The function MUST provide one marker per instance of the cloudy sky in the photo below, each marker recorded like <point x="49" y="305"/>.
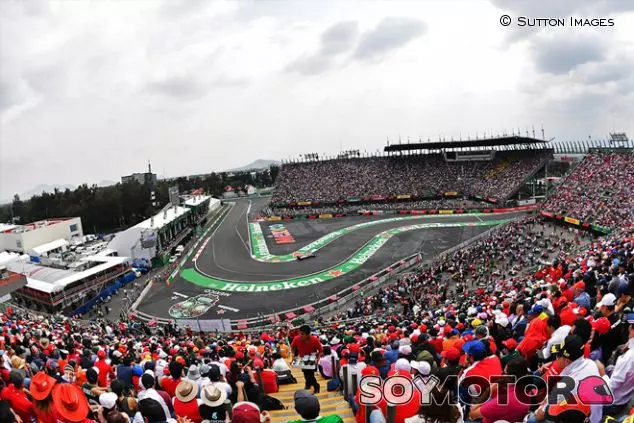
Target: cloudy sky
<point x="90" y="90"/>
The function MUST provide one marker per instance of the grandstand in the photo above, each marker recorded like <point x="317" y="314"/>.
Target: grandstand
<point x="492" y="170"/>
<point x="524" y="298"/>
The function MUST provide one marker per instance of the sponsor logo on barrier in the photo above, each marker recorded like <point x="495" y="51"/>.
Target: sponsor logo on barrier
<point x="445" y="211"/>
<point x="304" y="203"/>
<point x="325" y="216"/>
<point x="281" y="235"/>
<point x="403" y="197"/>
<point x="571" y="220"/>
<point x="194" y="306"/>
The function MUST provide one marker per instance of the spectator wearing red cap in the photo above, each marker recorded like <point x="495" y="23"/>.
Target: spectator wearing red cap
<point x="105" y="369"/>
<point x="41" y="389"/>
<point x="450" y="367"/>
<point x="509" y="351"/>
<point x="361" y="408"/>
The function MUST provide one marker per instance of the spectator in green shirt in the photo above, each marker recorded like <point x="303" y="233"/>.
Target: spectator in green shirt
<point x="307" y="406"/>
<point x="509" y="353"/>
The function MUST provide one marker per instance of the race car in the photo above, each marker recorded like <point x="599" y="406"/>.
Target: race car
<point x="306" y="256"/>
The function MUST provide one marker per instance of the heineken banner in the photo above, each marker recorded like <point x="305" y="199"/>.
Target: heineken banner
<point x="353" y="200"/>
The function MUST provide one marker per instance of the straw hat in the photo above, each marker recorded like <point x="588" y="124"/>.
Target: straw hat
<point x="186" y="390"/>
<point x="213" y="396"/>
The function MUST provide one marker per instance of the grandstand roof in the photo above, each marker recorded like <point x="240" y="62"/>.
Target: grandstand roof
<point x="49" y="279"/>
<point x="45" y="248"/>
<point x="487" y="142"/>
<point x="196" y="200"/>
<point x="161" y="219"/>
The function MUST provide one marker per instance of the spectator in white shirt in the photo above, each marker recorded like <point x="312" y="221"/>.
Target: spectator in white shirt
<point x="557" y="334"/>
<point x="621" y="382"/>
<point x="279" y="364"/>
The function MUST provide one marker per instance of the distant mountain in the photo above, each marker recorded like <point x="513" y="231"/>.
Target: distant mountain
<point x="39" y="189"/>
<point x="258" y="164"/>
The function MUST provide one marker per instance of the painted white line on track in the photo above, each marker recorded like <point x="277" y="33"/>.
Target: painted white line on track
<point x="180" y="295"/>
<point x="235" y="310"/>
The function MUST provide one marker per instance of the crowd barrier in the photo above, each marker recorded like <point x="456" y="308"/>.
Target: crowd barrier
<point x="385" y="212"/>
<point x="567" y="220"/>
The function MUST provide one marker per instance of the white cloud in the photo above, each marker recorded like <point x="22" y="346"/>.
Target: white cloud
<point x="91" y="91"/>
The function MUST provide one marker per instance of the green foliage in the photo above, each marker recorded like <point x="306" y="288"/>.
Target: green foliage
<point x="108" y="209"/>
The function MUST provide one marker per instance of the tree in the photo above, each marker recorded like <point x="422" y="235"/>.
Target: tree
<point x="19" y="209"/>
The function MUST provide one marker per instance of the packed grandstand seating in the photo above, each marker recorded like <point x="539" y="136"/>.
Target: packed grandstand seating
<point x="418" y="175"/>
<point x="448" y="203"/>
<point x="599" y="191"/>
<point x="528" y="299"/>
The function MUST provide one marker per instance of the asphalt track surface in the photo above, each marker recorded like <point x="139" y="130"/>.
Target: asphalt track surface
<point x="227" y="256"/>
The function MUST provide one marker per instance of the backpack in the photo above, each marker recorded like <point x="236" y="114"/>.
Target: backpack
<point x="333" y="384"/>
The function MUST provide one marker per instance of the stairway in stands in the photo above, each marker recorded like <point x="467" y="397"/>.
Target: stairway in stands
<point x="331" y="402"/>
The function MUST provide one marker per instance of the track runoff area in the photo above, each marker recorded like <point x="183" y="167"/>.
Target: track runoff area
<point x="240" y="268"/>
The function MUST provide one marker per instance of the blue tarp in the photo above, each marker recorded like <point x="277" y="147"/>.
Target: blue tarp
<point x="109" y="290"/>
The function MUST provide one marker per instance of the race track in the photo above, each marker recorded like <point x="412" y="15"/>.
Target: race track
<point x="242" y="272"/>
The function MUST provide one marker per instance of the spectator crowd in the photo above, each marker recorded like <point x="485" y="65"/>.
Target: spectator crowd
<point x="598" y="191"/>
<point x="351" y="208"/>
<point x="418" y="175"/>
<point x="526" y="300"/>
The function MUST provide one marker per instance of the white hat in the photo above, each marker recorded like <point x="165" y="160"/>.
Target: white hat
<point x="502" y="320"/>
<point x="607" y="300"/>
<point x="405" y="349"/>
<point x="402" y="364"/>
<point x="108" y="400"/>
<point x="423" y="367"/>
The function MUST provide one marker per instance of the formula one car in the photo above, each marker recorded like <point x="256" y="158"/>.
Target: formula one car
<point x="306" y="256"/>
